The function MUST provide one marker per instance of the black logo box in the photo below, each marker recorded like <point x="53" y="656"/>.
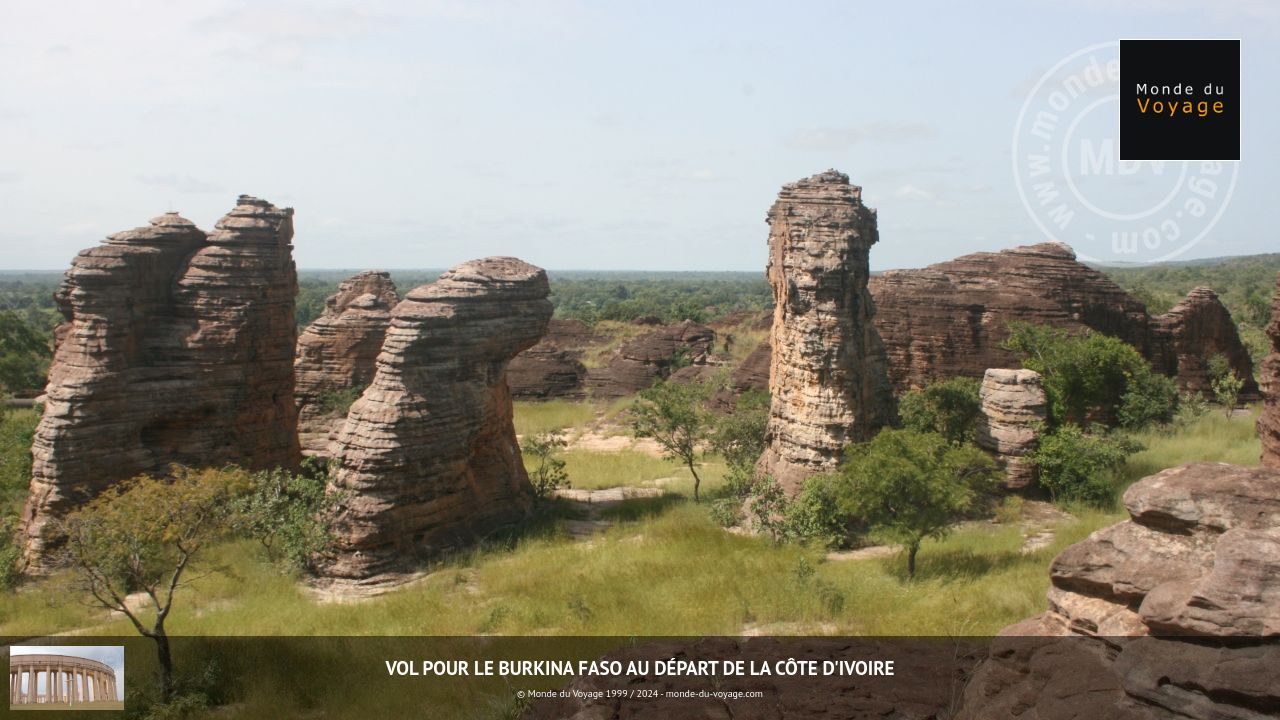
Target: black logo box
<point x="1187" y="68"/>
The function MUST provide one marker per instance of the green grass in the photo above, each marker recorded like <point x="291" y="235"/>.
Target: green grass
<point x="1210" y="437"/>
<point x="536" y="417"/>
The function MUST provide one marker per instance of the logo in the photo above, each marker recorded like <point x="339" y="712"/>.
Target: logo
<point x="1076" y="187"/>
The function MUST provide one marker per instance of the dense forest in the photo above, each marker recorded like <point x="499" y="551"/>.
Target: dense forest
<point x="28" y="315"/>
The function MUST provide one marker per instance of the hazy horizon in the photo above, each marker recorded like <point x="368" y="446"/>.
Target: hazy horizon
<point x="572" y="135"/>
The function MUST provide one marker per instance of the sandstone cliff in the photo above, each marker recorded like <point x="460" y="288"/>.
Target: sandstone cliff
<point x="1173" y="613"/>
<point x="1190" y="334"/>
<point x="950" y="319"/>
<point x="1269" y="423"/>
<point x="177" y="347"/>
<point x="642" y="361"/>
<point x="553" y="368"/>
<point x="336" y="353"/>
<point x="427" y="457"/>
<point x="827" y="379"/>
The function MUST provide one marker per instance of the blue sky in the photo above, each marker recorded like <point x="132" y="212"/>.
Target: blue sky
<point x="112" y="655"/>
<point x="602" y="135"/>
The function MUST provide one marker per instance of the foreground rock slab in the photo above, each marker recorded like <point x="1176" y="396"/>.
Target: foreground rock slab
<point x="177" y="347"/>
<point x="1174" y="613"/>
<point x="827" y="378"/>
<point x="427" y="458"/>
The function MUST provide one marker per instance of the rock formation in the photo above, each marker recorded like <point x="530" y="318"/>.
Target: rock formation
<point x="336" y="354"/>
<point x="1013" y="409"/>
<point x="1190" y="334"/>
<point x="827" y="379"/>
<point x="427" y="457"/>
<point x="177" y="348"/>
<point x="650" y="357"/>
<point x="553" y="368"/>
<point x="1269" y="423"/>
<point x="950" y="319"/>
<point x="1174" y="613"/>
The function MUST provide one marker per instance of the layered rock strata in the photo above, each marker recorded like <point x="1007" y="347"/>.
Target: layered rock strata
<point x="1269" y="422"/>
<point x="650" y="357"/>
<point x="952" y="318"/>
<point x="1195" y="330"/>
<point x="336" y="354"/>
<point x="553" y="368"/>
<point x="427" y="458"/>
<point x="1012" y="414"/>
<point x="1174" y="613"/>
<point x="827" y="377"/>
<point x="177" y="347"/>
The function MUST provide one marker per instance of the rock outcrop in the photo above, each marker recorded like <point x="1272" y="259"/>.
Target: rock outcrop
<point x="177" y="348"/>
<point x="1013" y="411"/>
<point x="1193" y="332"/>
<point x="650" y="357"/>
<point x="827" y="379"/>
<point x="950" y="319"/>
<point x="427" y="457"/>
<point x="1269" y="422"/>
<point x="553" y="368"/>
<point x="336" y="354"/>
<point x="1174" y="613"/>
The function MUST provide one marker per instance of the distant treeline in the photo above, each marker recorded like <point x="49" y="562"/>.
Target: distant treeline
<point x="1245" y="284"/>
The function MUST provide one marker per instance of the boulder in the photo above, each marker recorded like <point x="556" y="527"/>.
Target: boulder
<point x="176" y="347"/>
<point x="427" y="458"/>
<point x="650" y="357"/>
<point x="1012" y="414"/>
<point x="336" y="353"/>
<point x="1174" y="613"/>
<point x="827" y="379"/>
<point x="553" y="368"/>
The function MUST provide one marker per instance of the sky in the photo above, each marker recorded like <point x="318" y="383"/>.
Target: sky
<point x="575" y="135"/>
<point x="112" y="655"/>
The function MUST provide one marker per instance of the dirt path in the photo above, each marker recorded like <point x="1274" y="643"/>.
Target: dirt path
<point x="595" y="502"/>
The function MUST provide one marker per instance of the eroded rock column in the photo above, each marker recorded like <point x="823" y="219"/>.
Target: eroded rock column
<point x="428" y="455"/>
<point x="1012" y="414"/>
<point x="177" y="347"/>
<point x="827" y="377"/>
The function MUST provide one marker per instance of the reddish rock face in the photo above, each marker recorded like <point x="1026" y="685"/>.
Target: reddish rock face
<point x="177" y="348"/>
<point x="428" y="456"/>
<point x="1269" y="423"/>
<point x="336" y="353"/>
<point x="827" y="378"/>
<point x="553" y="367"/>
<point x="644" y="360"/>
<point x="950" y="319"/>
<point x="1190" y="334"/>
<point x="1198" y="562"/>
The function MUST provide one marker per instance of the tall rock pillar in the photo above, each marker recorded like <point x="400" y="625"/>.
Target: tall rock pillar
<point x="827" y="378"/>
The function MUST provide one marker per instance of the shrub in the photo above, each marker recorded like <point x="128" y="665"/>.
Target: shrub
<point x="337" y="403"/>
<point x="908" y="486"/>
<point x="814" y="515"/>
<point x="10" y="552"/>
<point x="947" y="407"/>
<point x="1093" y="377"/>
<point x="739" y="438"/>
<point x="548" y="472"/>
<point x="287" y="513"/>
<point x="1224" y="382"/>
<point x="726" y="512"/>
<point x="1079" y="466"/>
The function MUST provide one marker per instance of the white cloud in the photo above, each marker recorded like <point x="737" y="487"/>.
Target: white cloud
<point x="835" y="138"/>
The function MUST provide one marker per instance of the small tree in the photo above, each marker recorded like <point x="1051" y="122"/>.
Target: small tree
<point x="548" y="472"/>
<point x="288" y="513"/>
<point x="143" y="535"/>
<point x="947" y="407"/>
<point x="739" y="438"/>
<point x="1224" y="382"/>
<point x="909" y="485"/>
<point x="675" y="416"/>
